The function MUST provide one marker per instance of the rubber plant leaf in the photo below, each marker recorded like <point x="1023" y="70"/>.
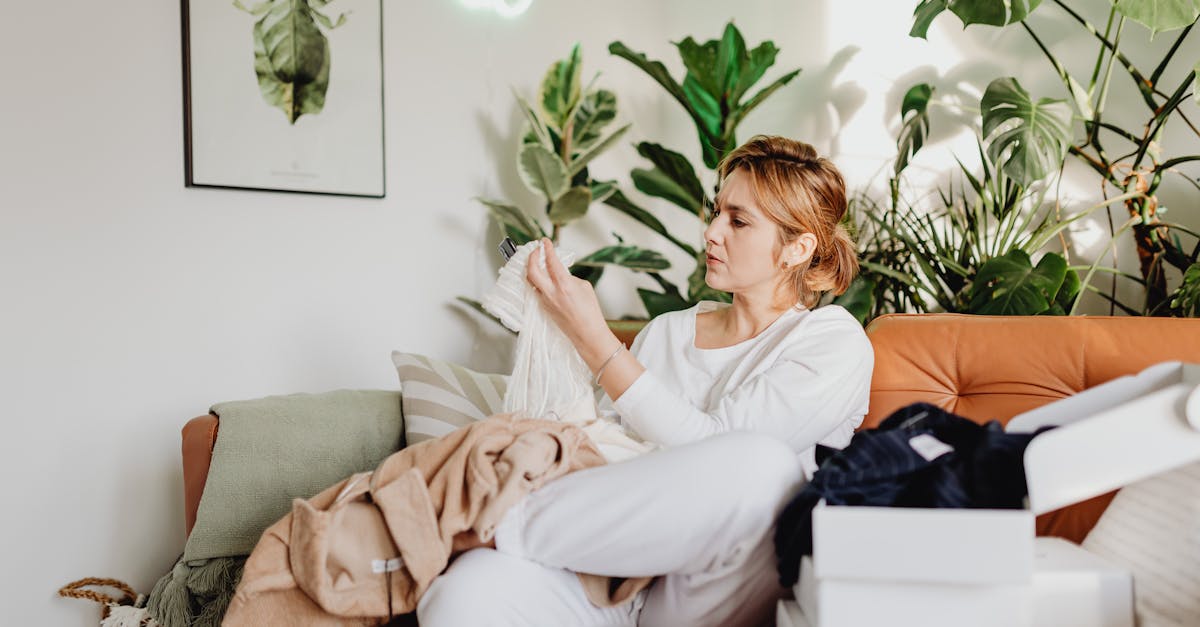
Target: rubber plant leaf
<point x="1010" y="285"/>
<point x="1160" y="15"/>
<point x="543" y="171"/>
<point x="914" y="128"/>
<point x="1028" y="139"/>
<point x="631" y="257"/>
<point x="560" y="90"/>
<point x="597" y="109"/>
<point x="581" y="161"/>
<point x="570" y="206"/>
<point x="514" y="220"/>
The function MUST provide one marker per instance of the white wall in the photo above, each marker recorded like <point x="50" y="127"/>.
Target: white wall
<point x="131" y="303"/>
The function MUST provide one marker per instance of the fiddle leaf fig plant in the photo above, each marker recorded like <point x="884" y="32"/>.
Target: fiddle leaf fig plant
<point x="720" y="73"/>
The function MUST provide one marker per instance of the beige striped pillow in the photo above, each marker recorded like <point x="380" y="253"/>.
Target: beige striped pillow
<point x="438" y="397"/>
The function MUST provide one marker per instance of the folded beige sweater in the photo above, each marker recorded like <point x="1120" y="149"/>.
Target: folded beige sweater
<point x="367" y="548"/>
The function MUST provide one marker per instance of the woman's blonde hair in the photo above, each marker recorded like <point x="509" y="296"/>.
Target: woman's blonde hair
<point x="801" y="192"/>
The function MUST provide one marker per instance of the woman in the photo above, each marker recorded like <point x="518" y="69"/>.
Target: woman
<point x="738" y="394"/>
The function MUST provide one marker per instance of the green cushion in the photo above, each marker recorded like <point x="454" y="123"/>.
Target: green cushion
<point x="272" y="450"/>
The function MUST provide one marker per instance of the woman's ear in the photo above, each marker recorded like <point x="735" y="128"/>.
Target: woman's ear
<point x="800" y="251"/>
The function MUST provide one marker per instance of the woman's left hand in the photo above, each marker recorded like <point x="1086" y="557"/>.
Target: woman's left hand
<point x="570" y="301"/>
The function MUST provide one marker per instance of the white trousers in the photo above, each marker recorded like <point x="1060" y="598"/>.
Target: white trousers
<point x="701" y="516"/>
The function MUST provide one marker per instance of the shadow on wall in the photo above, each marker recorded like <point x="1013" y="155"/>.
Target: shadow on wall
<point x="826" y="106"/>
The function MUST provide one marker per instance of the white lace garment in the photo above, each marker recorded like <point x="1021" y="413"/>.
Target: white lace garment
<point x="549" y="379"/>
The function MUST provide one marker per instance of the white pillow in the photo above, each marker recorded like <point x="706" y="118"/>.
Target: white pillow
<point x="438" y="397"/>
<point x="1152" y="528"/>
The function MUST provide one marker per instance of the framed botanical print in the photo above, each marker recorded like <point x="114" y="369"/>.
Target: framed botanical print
<point x="284" y="95"/>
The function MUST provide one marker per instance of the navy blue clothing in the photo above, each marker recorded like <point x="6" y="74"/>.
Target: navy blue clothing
<point x="899" y="464"/>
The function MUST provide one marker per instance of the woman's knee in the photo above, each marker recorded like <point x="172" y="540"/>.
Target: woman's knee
<point x="471" y="592"/>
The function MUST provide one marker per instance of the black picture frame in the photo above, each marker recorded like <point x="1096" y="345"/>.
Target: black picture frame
<point x="247" y="127"/>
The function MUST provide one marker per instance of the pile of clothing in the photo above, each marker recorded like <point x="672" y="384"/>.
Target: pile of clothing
<point x="920" y="456"/>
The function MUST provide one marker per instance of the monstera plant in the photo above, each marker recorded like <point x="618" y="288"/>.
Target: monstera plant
<point x="291" y="54"/>
<point x="713" y="93"/>
<point x="1126" y="154"/>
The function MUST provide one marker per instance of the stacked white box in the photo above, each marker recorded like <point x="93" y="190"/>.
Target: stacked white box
<point x="929" y="567"/>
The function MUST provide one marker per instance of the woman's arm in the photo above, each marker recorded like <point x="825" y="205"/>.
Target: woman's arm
<point x="571" y="302"/>
<point x="814" y="387"/>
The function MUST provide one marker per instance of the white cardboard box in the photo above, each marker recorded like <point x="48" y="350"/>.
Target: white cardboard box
<point x="1069" y="588"/>
<point x="1109" y="436"/>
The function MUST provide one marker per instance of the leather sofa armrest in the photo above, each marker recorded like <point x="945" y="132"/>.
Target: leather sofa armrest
<point x="199" y="436"/>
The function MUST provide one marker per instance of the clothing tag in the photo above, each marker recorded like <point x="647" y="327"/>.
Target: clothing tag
<point x="929" y="447"/>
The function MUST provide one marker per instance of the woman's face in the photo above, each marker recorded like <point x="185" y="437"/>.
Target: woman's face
<point x="742" y="243"/>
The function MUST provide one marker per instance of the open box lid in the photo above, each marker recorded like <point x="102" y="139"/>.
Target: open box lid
<point x="1109" y="436"/>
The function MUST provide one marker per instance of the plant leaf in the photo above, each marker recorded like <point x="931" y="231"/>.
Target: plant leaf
<point x="731" y="58"/>
<point x="618" y="201"/>
<point x="657" y="303"/>
<point x="923" y="16"/>
<point x="672" y="178"/>
<point x="582" y="160"/>
<point x="537" y="126"/>
<point x="1028" y="139"/>
<point x="707" y="108"/>
<point x="761" y="58"/>
<point x="632" y="257"/>
<point x="1011" y="285"/>
<point x="478" y="306"/>
<point x="1186" y="298"/>
<point x="858" y="299"/>
<point x="740" y="113"/>
<point x="597" y="109"/>
<point x="701" y="63"/>
<point x="1196" y="83"/>
<point x="992" y="12"/>
<point x="291" y="60"/>
<point x="1160" y="15"/>
<point x="514" y="219"/>
<point x="1065" y="298"/>
<point x="658" y="72"/>
<point x="1081" y="98"/>
<point x="915" y="128"/>
<point x="601" y="190"/>
<point x="560" y="89"/>
<point x="571" y="206"/>
<point x="543" y="171"/>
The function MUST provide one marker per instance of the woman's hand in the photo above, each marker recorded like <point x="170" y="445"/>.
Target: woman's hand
<point x="571" y="303"/>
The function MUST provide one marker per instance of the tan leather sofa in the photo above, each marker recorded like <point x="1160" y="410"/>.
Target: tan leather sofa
<point x="981" y="367"/>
